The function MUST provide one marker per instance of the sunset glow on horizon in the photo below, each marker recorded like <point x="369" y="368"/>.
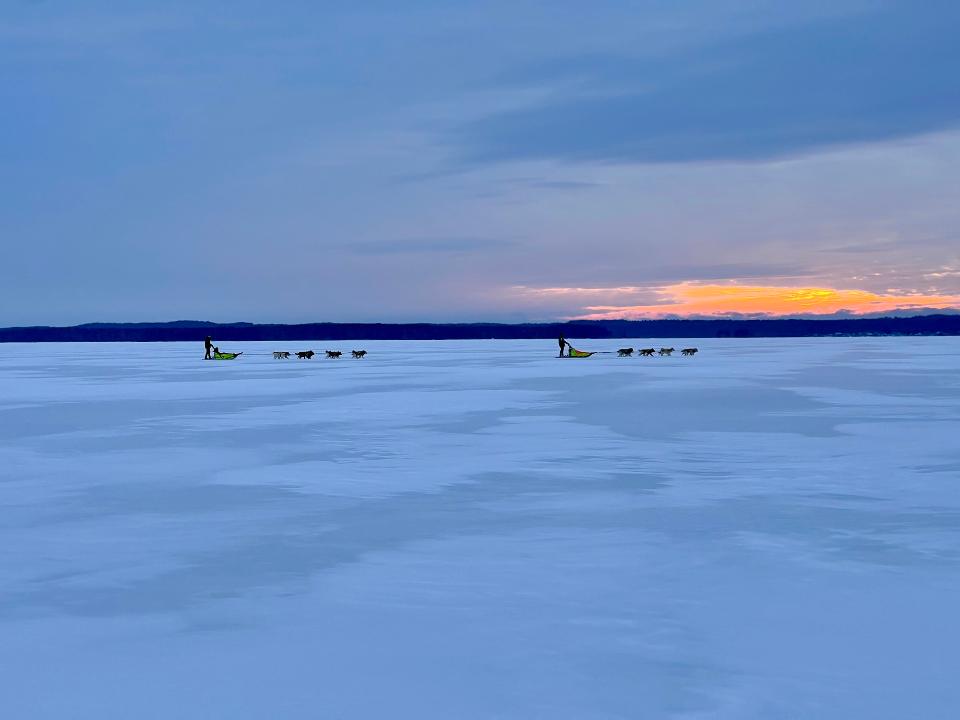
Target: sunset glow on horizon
<point x="690" y="299"/>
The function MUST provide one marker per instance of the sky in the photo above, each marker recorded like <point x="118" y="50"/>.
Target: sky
<point x="504" y="161"/>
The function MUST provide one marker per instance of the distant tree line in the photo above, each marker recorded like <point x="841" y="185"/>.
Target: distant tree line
<point x="582" y="329"/>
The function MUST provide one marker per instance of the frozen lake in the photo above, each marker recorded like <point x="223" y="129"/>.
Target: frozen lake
<point x="466" y="530"/>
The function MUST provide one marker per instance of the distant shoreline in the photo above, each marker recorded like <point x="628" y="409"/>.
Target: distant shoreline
<point x="188" y="330"/>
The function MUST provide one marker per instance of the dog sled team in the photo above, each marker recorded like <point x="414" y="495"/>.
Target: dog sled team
<point x="212" y="352"/>
<point x="624" y="352"/>
<point x="650" y="352"/>
<point x="308" y="354"/>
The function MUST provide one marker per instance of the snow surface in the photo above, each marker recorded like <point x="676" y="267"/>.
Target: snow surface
<point x="465" y="530"/>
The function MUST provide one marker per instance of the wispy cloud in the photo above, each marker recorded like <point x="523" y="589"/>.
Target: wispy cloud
<point x="942" y="273"/>
<point x="894" y="244"/>
<point x="404" y="246"/>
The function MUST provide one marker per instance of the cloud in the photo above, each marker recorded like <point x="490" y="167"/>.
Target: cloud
<point x="429" y="246"/>
<point x="713" y="300"/>
<point x="562" y="184"/>
<point x="895" y="244"/>
<point x="875" y="76"/>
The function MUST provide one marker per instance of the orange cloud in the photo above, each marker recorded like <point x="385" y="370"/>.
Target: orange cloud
<point x="686" y="299"/>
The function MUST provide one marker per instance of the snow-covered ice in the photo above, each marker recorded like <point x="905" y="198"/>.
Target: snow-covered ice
<point x="466" y="530"/>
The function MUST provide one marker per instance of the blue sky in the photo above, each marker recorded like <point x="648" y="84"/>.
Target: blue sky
<point x="443" y="161"/>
